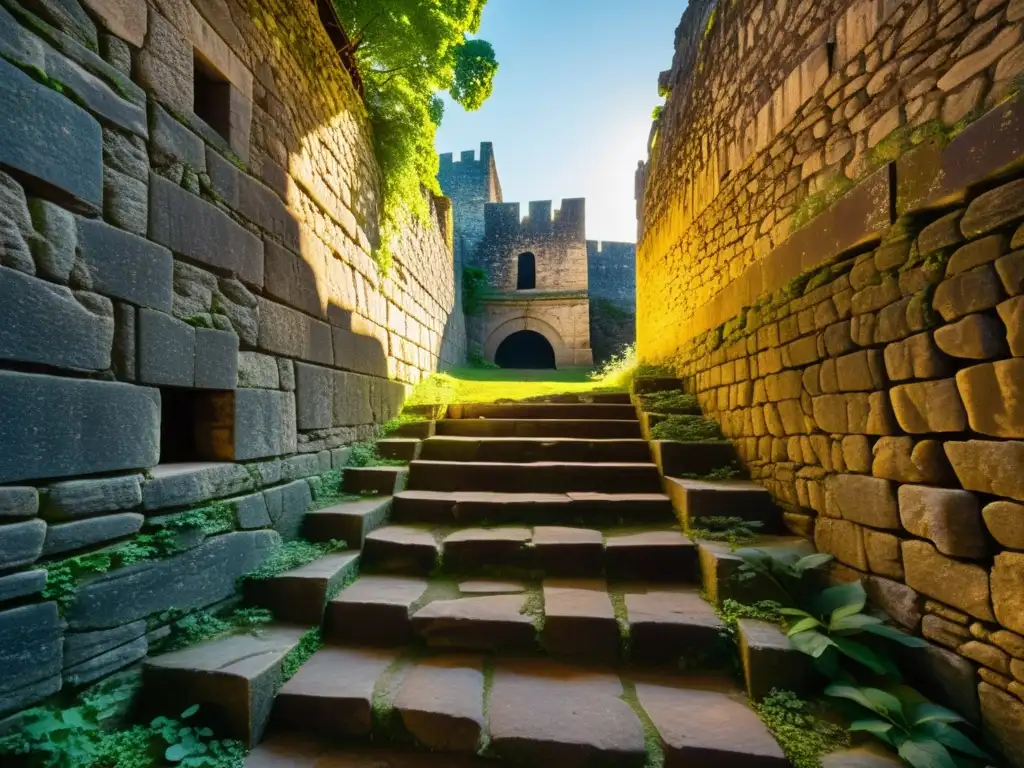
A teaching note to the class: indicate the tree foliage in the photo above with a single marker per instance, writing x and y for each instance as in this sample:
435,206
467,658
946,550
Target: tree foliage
408,51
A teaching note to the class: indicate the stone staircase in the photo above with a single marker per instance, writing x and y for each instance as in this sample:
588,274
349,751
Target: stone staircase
525,596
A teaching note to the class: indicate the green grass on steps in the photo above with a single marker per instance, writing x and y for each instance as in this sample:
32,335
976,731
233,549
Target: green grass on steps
489,385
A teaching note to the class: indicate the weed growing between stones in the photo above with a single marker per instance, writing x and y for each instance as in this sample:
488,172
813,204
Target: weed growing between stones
735,531
654,754
485,732
618,599
291,555
803,737
386,723
203,625
731,611
366,455
534,607
686,429
311,642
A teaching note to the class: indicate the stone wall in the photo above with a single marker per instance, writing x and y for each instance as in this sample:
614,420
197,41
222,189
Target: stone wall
188,208
835,273
611,279
470,183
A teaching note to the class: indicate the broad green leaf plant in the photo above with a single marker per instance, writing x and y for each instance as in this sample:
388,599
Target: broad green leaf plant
921,732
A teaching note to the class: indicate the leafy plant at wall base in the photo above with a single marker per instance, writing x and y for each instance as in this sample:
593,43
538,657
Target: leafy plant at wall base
803,737
785,571
836,615
920,731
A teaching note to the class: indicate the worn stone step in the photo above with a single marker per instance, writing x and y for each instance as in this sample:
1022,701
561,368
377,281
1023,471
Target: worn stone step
579,619
420,430
769,661
236,675
299,596
584,397
441,703
474,548
350,521
401,549
538,477
677,458
546,713
292,750
399,448
479,623
647,384
375,610
534,449
562,551
332,693
615,411
745,499
467,507
665,555
509,427
706,722
669,622
719,565
385,481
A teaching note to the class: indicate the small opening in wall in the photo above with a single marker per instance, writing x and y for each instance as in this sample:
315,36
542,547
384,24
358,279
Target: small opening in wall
212,102
195,425
525,349
527,272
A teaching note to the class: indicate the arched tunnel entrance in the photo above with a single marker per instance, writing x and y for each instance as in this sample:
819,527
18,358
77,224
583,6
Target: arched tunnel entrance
525,349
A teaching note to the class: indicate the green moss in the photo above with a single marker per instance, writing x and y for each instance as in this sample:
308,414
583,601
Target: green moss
803,737
367,455
309,643
211,519
670,400
534,607
203,626
653,751
474,287
820,201
735,531
933,130
686,429
386,722
618,599
718,473
890,148
803,283
292,555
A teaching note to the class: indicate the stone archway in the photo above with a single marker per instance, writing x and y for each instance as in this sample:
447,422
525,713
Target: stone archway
525,349
563,355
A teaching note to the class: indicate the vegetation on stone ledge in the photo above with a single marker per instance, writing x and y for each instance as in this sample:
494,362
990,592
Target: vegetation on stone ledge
202,626
407,52
291,555
671,400
803,737
686,429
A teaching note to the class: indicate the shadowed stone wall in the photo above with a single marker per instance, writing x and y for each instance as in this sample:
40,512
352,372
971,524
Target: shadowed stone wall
611,271
829,257
189,203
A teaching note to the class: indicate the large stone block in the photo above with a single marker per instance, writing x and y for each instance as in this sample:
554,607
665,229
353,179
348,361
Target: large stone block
189,225
843,539
194,579
103,427
950,518
975,337
216,364
916,358
898,600
861,499
988,466
167,350
17,43
183,485
21,543
929,406
18,502
961,585
1008,590
360,353
1012,314
125,266
96,95
291,280
314,396
22,584
353,399
264,424
45,323
1002,205
285,332
60,149
173,142
994,396
1005,521
125,18
973,291
83,498
900,458
68,537
287,506
31,646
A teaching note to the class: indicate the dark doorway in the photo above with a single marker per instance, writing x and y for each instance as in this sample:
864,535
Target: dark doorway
525,349
527,274
212,97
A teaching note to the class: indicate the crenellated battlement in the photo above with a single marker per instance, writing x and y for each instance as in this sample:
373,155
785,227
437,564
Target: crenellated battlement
469,159
503,221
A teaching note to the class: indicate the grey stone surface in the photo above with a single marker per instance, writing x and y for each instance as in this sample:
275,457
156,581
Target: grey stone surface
125,154
21,543
25,697
199,577
299,467
216,365
183,485
125,202
288,333
125,355
61,146
287,506
54,247
82,498
97,96
81,646
107,663
16,232
194,228
258,371
264,424
67,15
22,584
286,370
18,502
125,266
173,142
353,399
106,427
30,645
17,43
44,323
68,537
251,512
223,177
166,350
314,396
266,472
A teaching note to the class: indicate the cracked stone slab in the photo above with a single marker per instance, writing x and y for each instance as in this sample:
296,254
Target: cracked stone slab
493,622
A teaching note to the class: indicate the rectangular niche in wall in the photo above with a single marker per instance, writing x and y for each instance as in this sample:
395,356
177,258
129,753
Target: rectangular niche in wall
526,279
195,425
212,97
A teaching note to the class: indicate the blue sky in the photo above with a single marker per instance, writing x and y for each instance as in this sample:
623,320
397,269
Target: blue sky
571,109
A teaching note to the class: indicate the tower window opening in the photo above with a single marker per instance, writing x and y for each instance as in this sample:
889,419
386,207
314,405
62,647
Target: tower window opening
527,272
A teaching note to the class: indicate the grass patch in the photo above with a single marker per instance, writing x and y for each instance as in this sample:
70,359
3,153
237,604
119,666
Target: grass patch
490,385
367,455
686,429
803,736
654,754
309,643
291,555
735,531
671,401
202,626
